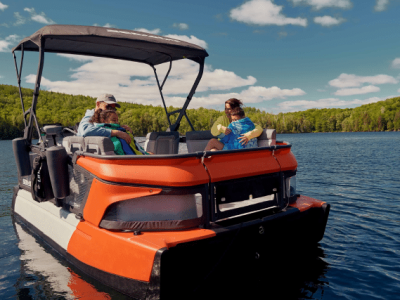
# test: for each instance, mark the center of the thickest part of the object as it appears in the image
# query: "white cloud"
(396, 63)
(301, 105)
(40, 18)
(20, 19)
(263, 12)
(351, 80)
(192, 39)
(80, 58)
(107, 25)
(319, 4)
(134, 82)
(154, 31)
(253, 94)
(357, 91)
(3, 6)
(7, 42)
(328, 21)
(398, 90)
(181, 26)
(381, 5)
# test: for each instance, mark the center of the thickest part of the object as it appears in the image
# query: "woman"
(220, 127)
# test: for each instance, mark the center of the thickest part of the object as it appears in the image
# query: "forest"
(69, 109)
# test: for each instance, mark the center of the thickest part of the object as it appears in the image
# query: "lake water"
(358, 258)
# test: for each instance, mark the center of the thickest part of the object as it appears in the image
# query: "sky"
(275, 55)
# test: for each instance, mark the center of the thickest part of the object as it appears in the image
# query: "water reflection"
(284, 272)
(43, 276)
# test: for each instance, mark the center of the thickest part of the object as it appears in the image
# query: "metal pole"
(175, 126)
(166, 76)
(162, 97)
(190, 123)
(32, 117)
(19, 79)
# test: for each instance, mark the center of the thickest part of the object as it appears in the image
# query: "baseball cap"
(108, 98)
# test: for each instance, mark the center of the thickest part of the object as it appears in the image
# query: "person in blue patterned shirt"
(240, 125)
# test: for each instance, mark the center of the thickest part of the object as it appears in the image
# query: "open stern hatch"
(135, 222)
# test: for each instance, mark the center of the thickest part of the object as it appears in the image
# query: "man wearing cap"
(103, 102)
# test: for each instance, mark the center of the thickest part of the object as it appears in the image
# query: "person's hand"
(121, 135)
(226, 130)
(243, 139)
(127, 128)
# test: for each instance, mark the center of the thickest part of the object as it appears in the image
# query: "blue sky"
(276, 55)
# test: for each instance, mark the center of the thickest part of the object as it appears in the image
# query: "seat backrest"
(162, 142)
(99, 145)
(197, 140)
(53, 133)
(74, 143)
(267, 138)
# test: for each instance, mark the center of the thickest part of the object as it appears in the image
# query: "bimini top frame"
(111, 43)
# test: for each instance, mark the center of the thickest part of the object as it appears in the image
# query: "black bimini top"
(113, 43)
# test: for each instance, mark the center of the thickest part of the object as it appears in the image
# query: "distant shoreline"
(69, 109)
(276, 133)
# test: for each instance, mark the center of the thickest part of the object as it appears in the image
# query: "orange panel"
(186, 171)
(238, 165)
(303, 203)
(286, 159)
(101, 195)
(123, 253)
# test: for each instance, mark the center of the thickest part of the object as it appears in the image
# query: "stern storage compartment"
(245, 195)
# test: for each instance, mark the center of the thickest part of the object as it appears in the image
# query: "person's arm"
(121, 135)
(218, 127)
(89, 129)
(256, 132)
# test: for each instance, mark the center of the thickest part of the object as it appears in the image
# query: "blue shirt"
(89, 129)
(238, 128)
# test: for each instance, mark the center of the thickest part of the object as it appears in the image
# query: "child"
(239, 125)
(109, 118)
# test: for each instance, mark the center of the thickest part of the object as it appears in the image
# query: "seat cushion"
(197, 140)
(267, 138)
(162, 142)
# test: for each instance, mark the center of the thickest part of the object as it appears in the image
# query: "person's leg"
(214, 145)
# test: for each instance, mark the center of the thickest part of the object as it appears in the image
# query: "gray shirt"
(89, 129)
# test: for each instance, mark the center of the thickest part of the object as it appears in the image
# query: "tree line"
(69, 109)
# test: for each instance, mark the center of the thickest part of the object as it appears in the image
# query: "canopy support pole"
(182, 113)
(19, 79)
(28, 133)
(160, 87)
